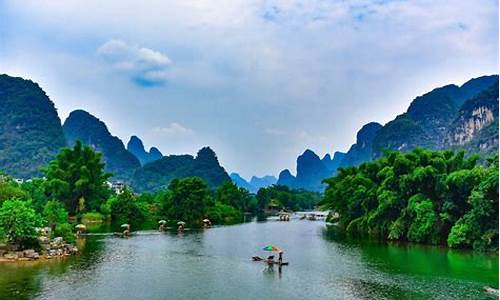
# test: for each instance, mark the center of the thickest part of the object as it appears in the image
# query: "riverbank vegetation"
(283, 197)
(433, 197)
(75, 190)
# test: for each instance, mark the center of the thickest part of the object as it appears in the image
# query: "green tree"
(281, 196)
(19, 222)
(230, 194)
(478, 228)
(35, 190)
(224, 214)
(423, 196)
(55, 213)
(126, 209)
(189, 199)
(423, 227)
(76, 177)
(10, 189)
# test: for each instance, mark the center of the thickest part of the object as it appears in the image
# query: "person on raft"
(126, 232)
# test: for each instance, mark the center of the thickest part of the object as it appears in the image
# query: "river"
(215, 264)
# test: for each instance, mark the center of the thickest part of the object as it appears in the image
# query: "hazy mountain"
(241, 182)
(363, 149)
(286, 178)
(311, 170)
(159, 173)
(31, 133)
(136, 147)
(80, 125)
(333, 163)
(260, 182)
(255, 183)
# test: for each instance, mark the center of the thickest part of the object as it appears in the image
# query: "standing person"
(280, 258)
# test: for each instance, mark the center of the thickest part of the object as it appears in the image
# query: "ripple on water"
(215, 264)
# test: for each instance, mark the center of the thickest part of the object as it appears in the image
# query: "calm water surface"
(215, 264)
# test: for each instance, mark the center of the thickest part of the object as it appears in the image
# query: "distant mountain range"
(126, 166)
(80, 125)
(31, 135)
(310, 171)
(449, 117)
(255, 183)
(136, 147)
(431, 118)
(158, 174)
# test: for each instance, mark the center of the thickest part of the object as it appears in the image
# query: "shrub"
(92, 217)
(19, 222)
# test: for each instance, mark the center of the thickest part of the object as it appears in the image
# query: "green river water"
(215, 264)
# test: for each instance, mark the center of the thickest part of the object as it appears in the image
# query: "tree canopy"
(77, 178)
(436, 197)
(19, 222)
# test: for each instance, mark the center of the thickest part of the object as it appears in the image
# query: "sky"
(257, 81)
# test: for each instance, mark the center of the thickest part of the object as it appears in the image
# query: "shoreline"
(43, 258)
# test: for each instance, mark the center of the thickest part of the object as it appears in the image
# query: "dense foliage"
(282, 197)
(436, 197)
(19, 222)
(77, 179)
(55, 213)
(125, 208)
(189, 200)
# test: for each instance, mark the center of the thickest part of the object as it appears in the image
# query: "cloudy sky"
(259, 81)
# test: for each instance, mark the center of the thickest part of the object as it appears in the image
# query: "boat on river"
(269, 261)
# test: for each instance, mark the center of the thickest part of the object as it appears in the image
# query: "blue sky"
(259, 81)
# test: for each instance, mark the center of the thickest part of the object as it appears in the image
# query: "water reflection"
(421, 260)
(216, 264)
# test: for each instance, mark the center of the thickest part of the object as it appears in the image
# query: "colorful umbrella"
(272, 248)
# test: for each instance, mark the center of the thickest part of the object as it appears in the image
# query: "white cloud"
(326, 67)
(146, 66)
(173, 129)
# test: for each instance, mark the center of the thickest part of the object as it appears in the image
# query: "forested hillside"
(30, 129)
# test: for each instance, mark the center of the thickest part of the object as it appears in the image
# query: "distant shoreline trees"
(75, 185)
(433, 197)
